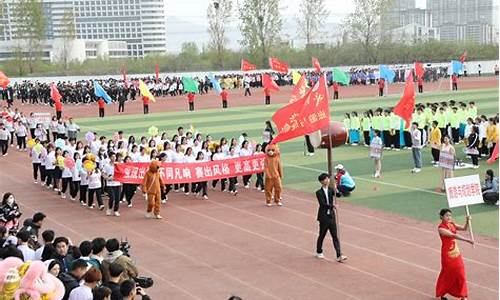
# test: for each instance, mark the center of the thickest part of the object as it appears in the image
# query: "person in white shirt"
(201, 187)
(61, 129)
(245, 151)
(53, 128)
(67, 176)
(76, 177)
(28, 253)
(47, 238)
(232, 180)
(50, 166)
(113, 187)
(73, 129)
(219, 155)
(40, 133)
(178, 157)
(144, 156)
(94, 187)
(21, 133)
(4, 139)
(90, 281)
(35, 160)
(189, 157)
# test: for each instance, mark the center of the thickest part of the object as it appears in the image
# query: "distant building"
(464, 20)
(140, 24)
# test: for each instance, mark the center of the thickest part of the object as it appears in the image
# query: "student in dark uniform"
(327, 217)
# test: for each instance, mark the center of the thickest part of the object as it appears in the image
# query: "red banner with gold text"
(193, 172)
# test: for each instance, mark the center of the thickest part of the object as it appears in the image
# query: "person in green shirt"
(366, 124)
(472, 110)
(355, 126)
(441, 119)
(347, 125)
(462, 119)
(454, 125)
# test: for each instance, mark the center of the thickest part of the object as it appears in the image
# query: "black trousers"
(310, 147)
(191, 106)
(58, 114)
(114, 197)
(260, 181)
(36, 167)
(128, 191)
(73, 189)
(201, 187)
(224, 103)
(164, 194)
(490, 197)
(407, 138)
(49, 179)
(146, 109)
(324, 227)
(232, 184)
(98, 195)
(4, 145)
(186, 187)
(454, 135)
(101, 112)
(420, 89)
(21, 142)
(454, 87)
(475, 159)
(268, 100)
(435, 154)
(66, 182)
(387, 138)
(246, 179)
(247, 92)
(366, 135)
(380, 92)
(43, 173)
(335, 94)
(222, 184)
(83, 193)
(121, 106)
(32, 133)
(395, 140)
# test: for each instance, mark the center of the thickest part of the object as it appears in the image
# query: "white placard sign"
(462, 191)
(42, 118)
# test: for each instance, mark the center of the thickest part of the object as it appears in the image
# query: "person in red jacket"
(58, 106)
(191, 101)
(100, 103)
(145, 104)
(335, 87)
(454, 82)
(420, 84)
(267, 93)
(381, 85)
(223, 96)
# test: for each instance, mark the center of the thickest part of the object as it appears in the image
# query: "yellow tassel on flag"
(145, 91)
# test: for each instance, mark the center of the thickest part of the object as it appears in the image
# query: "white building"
(138, 23)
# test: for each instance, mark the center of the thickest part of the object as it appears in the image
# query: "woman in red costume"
(452, 279)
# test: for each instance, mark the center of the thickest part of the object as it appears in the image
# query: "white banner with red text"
(193, 172)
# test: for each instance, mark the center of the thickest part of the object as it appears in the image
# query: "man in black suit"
(326, 217)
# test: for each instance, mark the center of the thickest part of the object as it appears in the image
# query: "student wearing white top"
(168, 187)
(232, 180)
(94, 180)
(201, 187)
(245, 151)
(43, 172)
(4, 139)
(67, 176)
(377, 142)
(32, 125)
(259, 184)
(61, 129)
(90, 281)
(178, 157)
(73, 129)
(144, 156)
(112, 186)
(53, 128)
(50, 166)
(28, 254)
(128, 189)
(21, 133)
(134, 153)
(84, 183)
(76, 177)
(219, 155)
(189, 158)
(35, 160)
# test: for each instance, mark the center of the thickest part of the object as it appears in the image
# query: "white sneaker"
(417, 170)
(319, 255)
(148, 215)
(205, 197)
(268, 204)
(163, 201)
(475, 167)
(56, 189)
(247, 186)
(263, 191)
(166, 198)
(117, 214)
(496, 203)
(63, 196)
(108, 212)
(158, 217)
(187, 194)
(341, 258)
(35, 182)
(130, 205)
(280, 204)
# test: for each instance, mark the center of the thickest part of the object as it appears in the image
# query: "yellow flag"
(295, 77)
(145, 91)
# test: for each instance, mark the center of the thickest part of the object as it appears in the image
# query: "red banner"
(463, 57)
(124, 74)
(4, 80)
(247, 66)
(299, 90)
(193, 172)
(278, 65)
(419, 69)
(316, 65)
(54, 93)
(306, 115)
(157, 73)
(268, 83)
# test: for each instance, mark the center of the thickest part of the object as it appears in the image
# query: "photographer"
(130, 290)
(115, 255)
(33, 227)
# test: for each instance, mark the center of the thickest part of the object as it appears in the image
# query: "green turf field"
(398, 191)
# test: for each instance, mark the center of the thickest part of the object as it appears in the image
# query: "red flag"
(278, 65)
(124, 74)
(4, 80)
(405, 106)
(419, 69)
(308, 114)
(247, 66)
(54, 93)
(268, 82)
(316, 65)
(463, 57)
(299, 90)
(494, 155)
(157, 72)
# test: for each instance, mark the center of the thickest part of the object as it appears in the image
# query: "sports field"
(398, 191)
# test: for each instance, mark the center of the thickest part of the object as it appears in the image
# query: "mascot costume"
(274, 173)
(28, 281)
(152, 185)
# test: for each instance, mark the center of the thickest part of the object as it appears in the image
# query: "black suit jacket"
(323, 215)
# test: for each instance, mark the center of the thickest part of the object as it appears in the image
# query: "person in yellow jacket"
(491, 135)
(435, 142)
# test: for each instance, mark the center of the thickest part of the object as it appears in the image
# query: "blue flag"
(387, 73)
(101, 93)
(215, 83)
(456, 67)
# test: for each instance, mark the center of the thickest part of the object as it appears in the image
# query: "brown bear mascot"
(274, 173)
(152, 185)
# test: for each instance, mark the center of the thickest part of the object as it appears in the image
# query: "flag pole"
(332, 183)
(469, 223)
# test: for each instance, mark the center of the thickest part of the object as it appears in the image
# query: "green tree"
(363, 25)
(312, 16)
(68, 34)
(218, 16)
(260, 27)
(29, 26)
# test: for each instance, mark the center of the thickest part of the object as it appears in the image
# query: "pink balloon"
(69, 162)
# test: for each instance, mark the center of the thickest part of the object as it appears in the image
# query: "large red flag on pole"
(268, 83)
(308, 114)
(4, 80)
(54, 93)
(494, 155)
(157, 72)
(299, 90)
(405, 106)
(278, 65)
(124, 74)
(316, 65)
(247, 66)
(419, 69)
(463, 57)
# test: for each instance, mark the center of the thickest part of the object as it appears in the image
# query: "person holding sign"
(376, 152)
(452, 278)
(446, 160)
